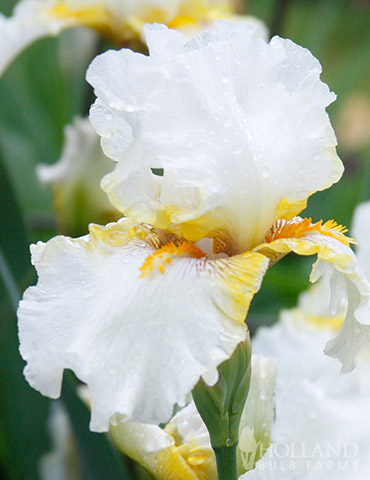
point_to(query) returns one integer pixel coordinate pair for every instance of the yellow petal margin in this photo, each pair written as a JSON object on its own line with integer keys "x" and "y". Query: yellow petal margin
{"x": 335, "y": 256}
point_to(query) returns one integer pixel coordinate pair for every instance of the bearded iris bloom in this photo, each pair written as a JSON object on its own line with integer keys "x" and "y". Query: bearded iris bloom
{"x": 120, "y": 21}
{"x": 219, "y": 142}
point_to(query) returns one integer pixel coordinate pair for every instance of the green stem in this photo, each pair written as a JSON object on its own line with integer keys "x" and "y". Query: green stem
{"x": 226, "y": 462}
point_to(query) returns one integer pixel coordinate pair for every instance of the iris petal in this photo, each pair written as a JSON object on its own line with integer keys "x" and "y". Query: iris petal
{"x": 335, "y": 258}
{"x": 140, "y": 342}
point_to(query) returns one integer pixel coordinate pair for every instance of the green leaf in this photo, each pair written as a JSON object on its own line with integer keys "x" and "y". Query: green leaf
{"x": 22, "y": 410}
{"x": 7, "y": 6}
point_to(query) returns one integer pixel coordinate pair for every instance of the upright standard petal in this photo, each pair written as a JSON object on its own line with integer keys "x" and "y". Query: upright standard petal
{"x": 335, "y": 258}
{"x": 139, "y": 317}
{"x": 217, "y": 136}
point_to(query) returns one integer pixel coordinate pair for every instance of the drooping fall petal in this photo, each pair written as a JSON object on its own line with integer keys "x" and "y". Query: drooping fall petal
{"x": 137, "y": 320}
{"x": 335, "y": 258}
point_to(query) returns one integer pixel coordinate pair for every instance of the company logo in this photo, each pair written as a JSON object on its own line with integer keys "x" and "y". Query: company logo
{"x": 296, "y": 456}
{"x": 250, "y": 450}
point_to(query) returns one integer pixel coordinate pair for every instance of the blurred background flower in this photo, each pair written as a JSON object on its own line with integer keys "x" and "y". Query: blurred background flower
{"x": 75, "y": 178}
{"x": 321, "y": 414}
{"x": 41, "y": 92}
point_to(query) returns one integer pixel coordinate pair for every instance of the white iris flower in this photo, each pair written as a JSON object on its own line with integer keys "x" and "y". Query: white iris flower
{"x": 219, "y": 143}
{"x": 321, "y": 425}
{"x": 119, "y": 21}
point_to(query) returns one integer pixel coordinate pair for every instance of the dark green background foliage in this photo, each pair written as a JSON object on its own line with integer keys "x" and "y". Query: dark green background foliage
{"x": 38, "y": 96}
